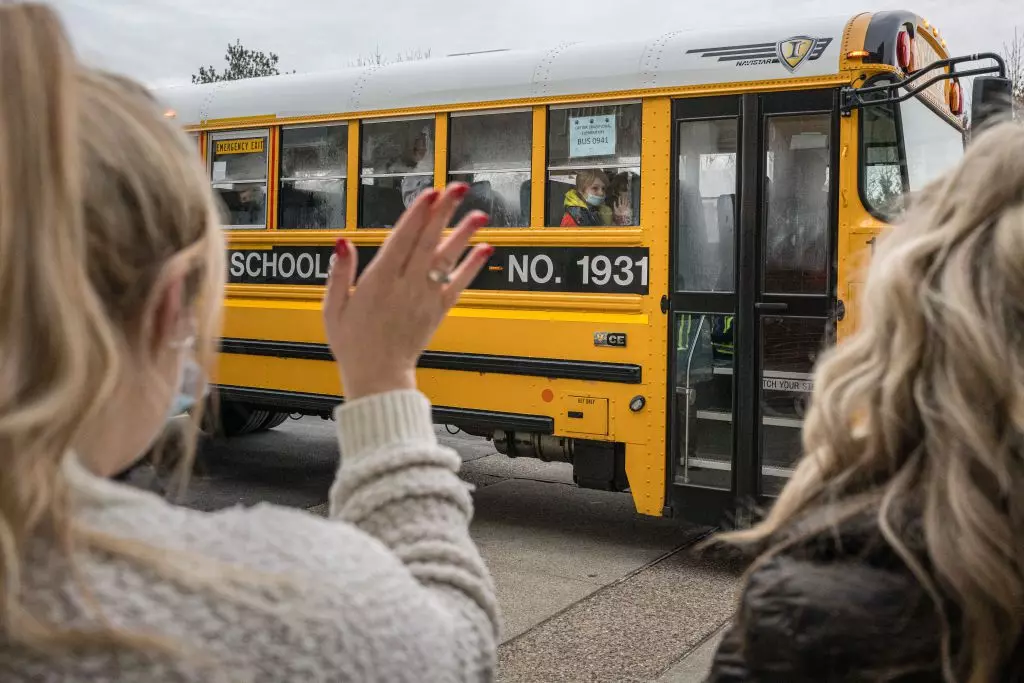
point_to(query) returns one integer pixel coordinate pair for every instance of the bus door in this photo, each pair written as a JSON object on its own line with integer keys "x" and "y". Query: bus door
{"x": 753, "y": 293}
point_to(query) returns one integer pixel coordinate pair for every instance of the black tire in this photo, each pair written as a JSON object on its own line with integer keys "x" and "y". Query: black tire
{"x": 236, "y": 419}
{"x": 273, "y": 420}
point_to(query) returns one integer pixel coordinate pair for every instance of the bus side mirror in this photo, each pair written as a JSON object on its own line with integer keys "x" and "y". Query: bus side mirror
{"x": 991, "y": 100}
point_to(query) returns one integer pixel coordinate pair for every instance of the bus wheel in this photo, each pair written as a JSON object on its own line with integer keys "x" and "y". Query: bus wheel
{"x": 236, "y": 419}
{"x": 273, "y": 420}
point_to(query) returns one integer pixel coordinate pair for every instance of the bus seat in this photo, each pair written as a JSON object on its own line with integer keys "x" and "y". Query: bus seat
{"x": 481, "y": 197}
{"x": 556, "y": 201}
{"x": 380, "y": 207}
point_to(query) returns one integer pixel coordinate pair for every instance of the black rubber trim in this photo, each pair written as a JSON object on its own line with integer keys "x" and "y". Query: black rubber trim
{"x": 880, "y": 39}
{"x": 325, "y": 403}
{"x": 552, "y": 368}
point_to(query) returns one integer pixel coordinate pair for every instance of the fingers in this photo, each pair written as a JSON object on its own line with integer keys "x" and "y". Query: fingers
{"x": 399, "y": 245}
{"x": 450, "y": 251}
{"x": 466, "y": 272}
{"x": 422, "y": 255}
{"x": 340, "y": 279}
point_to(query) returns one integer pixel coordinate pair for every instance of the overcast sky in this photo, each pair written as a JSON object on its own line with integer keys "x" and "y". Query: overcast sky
{"x": 163, "y": 42}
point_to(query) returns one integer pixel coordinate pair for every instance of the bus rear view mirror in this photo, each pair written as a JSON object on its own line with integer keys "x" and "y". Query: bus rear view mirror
{"x": 991, "y": 100}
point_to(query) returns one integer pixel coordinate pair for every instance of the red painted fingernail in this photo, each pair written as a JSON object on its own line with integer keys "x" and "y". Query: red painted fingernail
{"x": 482, "y": 220}
{"x": 432, "y": 196}
{"x": 487, "y": 251}
{"x": 341, "y": 247}
{"x": 460, "y": 189}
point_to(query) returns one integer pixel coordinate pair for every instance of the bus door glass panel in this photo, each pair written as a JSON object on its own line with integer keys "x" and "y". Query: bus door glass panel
{"x": 704, "y": 402}
{"x": 795, "y": 268}
{"x": 704, "y": 262}
{"x": 797, "y": 204}
{"x": 790, "y": 347}
{"x": 706, "y": 224}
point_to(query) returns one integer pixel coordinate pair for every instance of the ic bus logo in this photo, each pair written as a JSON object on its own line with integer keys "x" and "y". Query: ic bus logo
{"x": 791, "y": 52}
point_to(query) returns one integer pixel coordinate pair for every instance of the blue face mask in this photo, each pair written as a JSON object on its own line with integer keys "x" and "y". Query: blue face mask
{"x": 594, "y": 200}
{"x": 191, "y": 383}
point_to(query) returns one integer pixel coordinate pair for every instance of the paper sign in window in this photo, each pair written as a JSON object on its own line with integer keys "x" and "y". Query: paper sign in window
{"x": 220, "y": 170}
{"x": 592, "y": 136}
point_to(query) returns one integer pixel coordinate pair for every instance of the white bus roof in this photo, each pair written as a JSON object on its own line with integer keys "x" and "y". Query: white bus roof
{"x": 673, "y": 60}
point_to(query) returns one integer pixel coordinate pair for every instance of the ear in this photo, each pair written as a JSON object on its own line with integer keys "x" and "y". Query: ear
{"x": 163, "y": 318}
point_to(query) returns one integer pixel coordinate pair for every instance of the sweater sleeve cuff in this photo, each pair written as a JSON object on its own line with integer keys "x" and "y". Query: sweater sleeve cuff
{"x": 374, "y": 422}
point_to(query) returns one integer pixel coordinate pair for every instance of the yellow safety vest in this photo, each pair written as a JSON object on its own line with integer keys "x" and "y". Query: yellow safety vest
{"x": 725, "y": 347}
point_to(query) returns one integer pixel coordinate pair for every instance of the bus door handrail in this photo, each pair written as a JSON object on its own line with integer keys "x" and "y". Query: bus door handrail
{"x": 689, "y": 390}
{"x": 854, "y": 98}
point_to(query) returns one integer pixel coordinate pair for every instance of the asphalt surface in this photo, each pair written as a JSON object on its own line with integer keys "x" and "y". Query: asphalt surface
{"x": 589, "y": 590}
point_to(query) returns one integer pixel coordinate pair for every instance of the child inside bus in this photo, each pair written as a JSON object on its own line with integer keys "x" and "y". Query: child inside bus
{"x": 585, "y": 205}
{"x": 619, "y": 196}
{"x": 416, "y": 161}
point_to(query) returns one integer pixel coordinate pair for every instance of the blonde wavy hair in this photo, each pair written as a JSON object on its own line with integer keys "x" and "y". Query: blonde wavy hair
{"x": 99, "y": 196}
{"x": 924, "y": 408}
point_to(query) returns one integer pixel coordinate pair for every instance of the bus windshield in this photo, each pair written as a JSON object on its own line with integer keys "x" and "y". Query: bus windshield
{"x": 901, "y": 154}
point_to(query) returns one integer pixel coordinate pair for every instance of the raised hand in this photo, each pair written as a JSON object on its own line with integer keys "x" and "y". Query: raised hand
{"x": 378, "y": 330}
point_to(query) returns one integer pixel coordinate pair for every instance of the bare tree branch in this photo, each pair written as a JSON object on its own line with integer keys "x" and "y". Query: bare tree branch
{"x": 377, "y": 58}
{"x": 242, "y": 63}
{"x": 1013, "y": 53}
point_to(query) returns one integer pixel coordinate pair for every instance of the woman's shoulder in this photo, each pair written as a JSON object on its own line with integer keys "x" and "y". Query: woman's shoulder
{"x": 834, "y": 601}
{"x": 262, "y": 537}
{"x": 262, "y": 589}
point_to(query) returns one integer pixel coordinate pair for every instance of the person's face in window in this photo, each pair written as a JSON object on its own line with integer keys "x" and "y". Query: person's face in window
{"x": 594, "y": 192}
{"x": 419, "y": 149}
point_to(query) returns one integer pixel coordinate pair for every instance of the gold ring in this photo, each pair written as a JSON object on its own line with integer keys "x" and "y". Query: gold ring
{"x": 439, "y": 276}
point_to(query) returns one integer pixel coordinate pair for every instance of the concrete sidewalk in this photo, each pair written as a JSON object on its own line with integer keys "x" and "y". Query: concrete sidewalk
{"x": 694, "y": 667}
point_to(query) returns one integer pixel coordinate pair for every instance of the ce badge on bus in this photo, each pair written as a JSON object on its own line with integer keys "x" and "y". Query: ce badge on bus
{"x": 617, "y": 339}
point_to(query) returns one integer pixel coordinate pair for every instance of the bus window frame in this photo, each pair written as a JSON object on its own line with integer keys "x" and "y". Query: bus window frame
{"x": 268, "y": 133}
{"x": 528, "y": 110}
{"x": 901, "y": 146}
{"x": 580, "y": 167}
{"x": 344, "y": 123}
{"x": 363, "y": 123}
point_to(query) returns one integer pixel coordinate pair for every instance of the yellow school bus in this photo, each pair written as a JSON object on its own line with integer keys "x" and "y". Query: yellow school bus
{"x": 681, "y": 226}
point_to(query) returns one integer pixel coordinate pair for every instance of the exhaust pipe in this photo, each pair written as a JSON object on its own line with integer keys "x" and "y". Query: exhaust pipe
{"x": 532, "y": 445}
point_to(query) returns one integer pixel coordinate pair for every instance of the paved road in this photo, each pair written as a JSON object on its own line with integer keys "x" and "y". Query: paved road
{"x": 589, "y": 590}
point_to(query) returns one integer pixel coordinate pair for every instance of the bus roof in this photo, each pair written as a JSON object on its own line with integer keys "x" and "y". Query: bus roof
{"x": 678, "y": 59}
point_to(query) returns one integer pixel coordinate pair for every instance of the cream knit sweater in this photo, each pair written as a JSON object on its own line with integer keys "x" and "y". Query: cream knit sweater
{"x": 390, "y": 588}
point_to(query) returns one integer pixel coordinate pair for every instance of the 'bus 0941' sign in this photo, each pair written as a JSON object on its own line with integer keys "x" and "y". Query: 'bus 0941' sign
{"x": 624, "y": 270}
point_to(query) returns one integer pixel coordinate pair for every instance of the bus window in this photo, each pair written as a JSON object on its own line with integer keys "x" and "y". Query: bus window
{"x": 797, "y": 204}
{"x": 894, "y": 168}
{"x": 314, "y": 160}
{"x": 933, "y": 144}
{"x": 397, "y": 160}
{"x": 594, "y": 166}
{"x": 883, "y": 175}
{"x": 492, "y": 153}
{"x": 706, "y": 215}
{"x": 238, "y": 168}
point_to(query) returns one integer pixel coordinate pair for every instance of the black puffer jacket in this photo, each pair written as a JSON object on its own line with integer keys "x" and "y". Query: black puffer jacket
{"x": 840, "y": 607}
